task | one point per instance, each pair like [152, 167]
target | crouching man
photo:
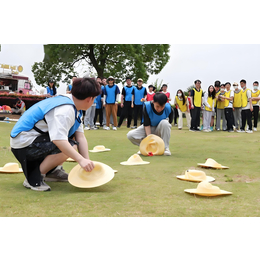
[157, 119]
[50, 131]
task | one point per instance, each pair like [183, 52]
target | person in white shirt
[50, 131]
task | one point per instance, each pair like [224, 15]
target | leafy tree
[118, 60]
[186, 93]
[157, 85]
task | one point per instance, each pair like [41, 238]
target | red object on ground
[150, 154]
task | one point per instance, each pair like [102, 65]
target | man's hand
[86, 164]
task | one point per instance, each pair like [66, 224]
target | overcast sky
[188, 62]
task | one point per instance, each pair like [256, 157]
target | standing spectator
[217, 90]
[126, 100]
[68, 90]
[98, 111]
[255, 93]
[51, 89]
[247, 108]
[183, 107]
[110, 101]
[220, 109]
[196, 104]
[19, 106]
[237, 106]
[209, 102]
[164, 91]
[139, 94]
[150, 93]
[228, 107]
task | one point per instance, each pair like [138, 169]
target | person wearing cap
[220, 109]
[228, 107]
[247, 108]
[126, 101]
[139, 94]
[183, 107]
[150, 93]
[51, 89]
[157, 119]
[110, 101]
[255, 99]
[68, 90]
[196, 105]
[19, 106]
[49, 133]
[237, 106]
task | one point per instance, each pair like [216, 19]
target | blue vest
[139, 94]
[111, 94]
[49, 91]
[98, 102]
[156, 119]
[39, 110]
[128, 93]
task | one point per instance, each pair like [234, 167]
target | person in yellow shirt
[237, 103]
[220, 109]
[209, 103]
[255, 93]
[247, 108]
[183, 107]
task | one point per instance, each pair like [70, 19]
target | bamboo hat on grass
[195, 176]
[11, 168]
[152, 144]
[99, 148]
[134, 160]
[205, 188]
[210, 163]
[100, 175]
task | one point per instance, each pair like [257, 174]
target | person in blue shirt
[126, 101]
[139, 94]
[68, 90]
[51, 89]
[110, 101]
[157, 119]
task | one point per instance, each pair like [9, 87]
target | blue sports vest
[156, 119]
[111, 94]
[98, 102]
[128, 93]
[39, 110]
[139, 94]
[50, 91]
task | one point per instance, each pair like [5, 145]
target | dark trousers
[229, 117]
[195, 120]
[98, 112]
[255, 114]
[176, 114]
[246, 116]
[138, 111]
[126, 112]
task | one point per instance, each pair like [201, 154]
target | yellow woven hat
[134, 160]
[195, 176]
[99, 148]
[210, 163]
[205, 188]
[152, 144]
[100, 175]
[11, 168]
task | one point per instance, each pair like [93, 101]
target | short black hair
[128, 78]
[150, 86]
[217, 84]
[222, 85]
[256, 82]
[227, 83]
[85, 87]
[197, 81]
[160, 98]
[243, 81]
[164, 85]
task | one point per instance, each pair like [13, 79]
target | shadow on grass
[207, 197]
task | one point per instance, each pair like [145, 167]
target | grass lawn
[148, 190]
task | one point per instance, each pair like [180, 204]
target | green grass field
[148, 190]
